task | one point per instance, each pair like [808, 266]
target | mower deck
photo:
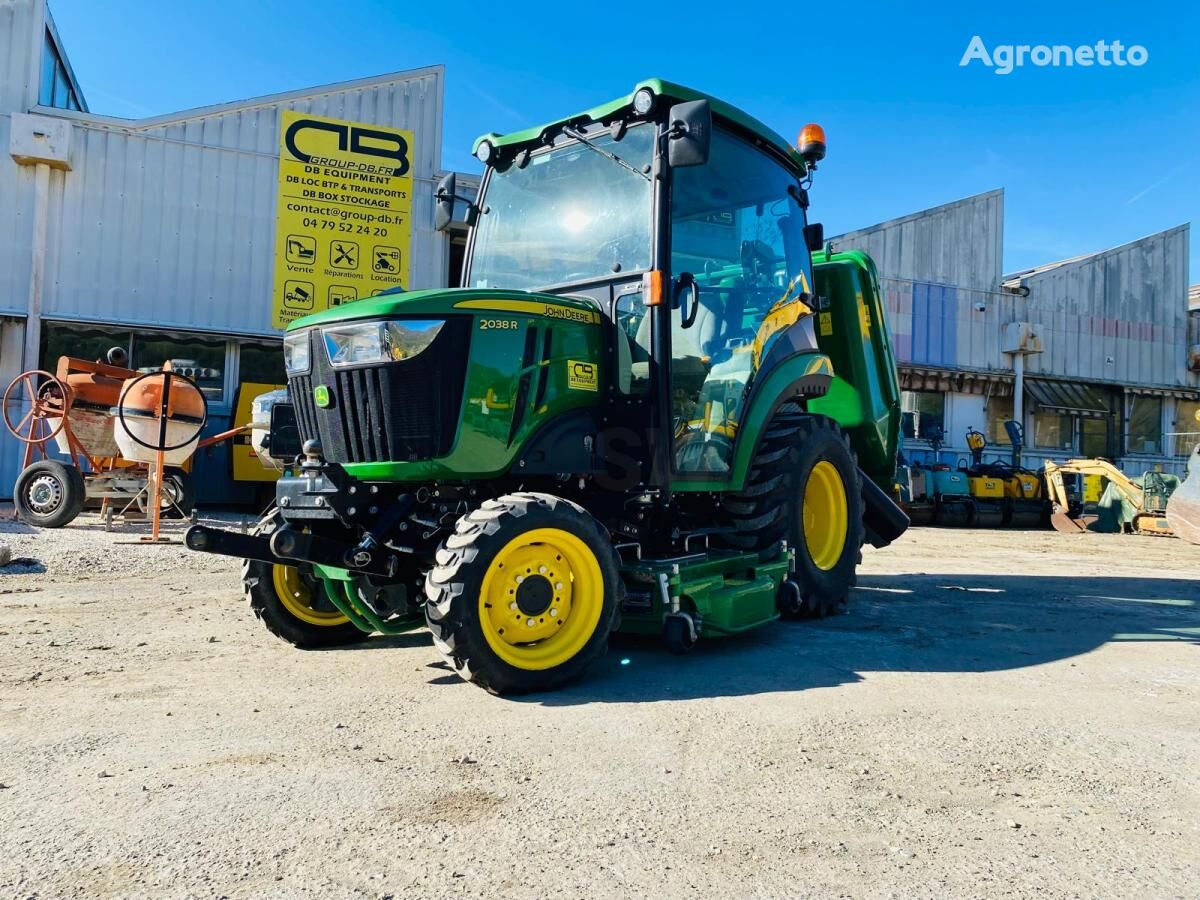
[711, 593]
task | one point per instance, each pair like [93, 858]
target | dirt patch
[999, 713]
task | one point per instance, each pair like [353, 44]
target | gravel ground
[999, 714]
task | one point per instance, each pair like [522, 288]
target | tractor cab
[684, 222]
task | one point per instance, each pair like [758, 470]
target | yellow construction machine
[1147, 502]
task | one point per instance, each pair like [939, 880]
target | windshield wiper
[588, 142]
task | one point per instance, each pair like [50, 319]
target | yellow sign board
[344, 221]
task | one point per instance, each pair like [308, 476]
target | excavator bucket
[1183, 509]
[1062, 522]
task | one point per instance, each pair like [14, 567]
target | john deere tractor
[659, 405]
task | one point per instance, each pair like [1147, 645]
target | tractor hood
[442, 302]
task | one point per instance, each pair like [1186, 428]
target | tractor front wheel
[291, 602]
[524, 593]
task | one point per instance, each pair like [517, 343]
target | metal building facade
[170, 221]
[166, 225]
[1116, 316]
[1117, 320]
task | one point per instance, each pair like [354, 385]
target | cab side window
[739, 230]
[632, 341]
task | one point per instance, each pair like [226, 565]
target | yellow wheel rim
[297, 599]
[826, 515]
[541, 599]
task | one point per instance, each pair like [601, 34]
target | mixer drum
[91, 417]
[140, 435]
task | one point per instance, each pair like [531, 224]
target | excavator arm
[1069, 521]
[1058, 493]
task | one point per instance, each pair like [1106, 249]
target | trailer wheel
[290, 601]
[524, 594]
[49, 494]
[803, 486]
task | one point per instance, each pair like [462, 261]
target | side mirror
[814, 237]
[690, 135]
[443, 212]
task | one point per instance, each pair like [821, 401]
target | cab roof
[661, 88]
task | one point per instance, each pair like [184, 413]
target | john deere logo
[321, 395]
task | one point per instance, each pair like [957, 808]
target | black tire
[259, 582]
[49, 494]
[453, 588]
[770, 508]
[677, 635]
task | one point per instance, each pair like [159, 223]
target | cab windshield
[571, 214]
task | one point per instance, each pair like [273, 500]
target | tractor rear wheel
[524, 593]
[803, 487]
[291, 602]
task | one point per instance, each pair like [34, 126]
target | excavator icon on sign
[386, 260]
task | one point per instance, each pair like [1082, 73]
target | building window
[84, 342]
[261, 364]
[1093, 438]
[1187, 426]
[55, 88]
[200, 359]
[1145, 425]
[1053, 431]
[924, 413]
[999, 411]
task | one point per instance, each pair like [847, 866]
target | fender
[807, 374]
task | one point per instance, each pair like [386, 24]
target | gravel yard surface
[999, 714]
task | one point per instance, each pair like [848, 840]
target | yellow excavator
[1148, 500]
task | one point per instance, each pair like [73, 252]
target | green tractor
[659, 405]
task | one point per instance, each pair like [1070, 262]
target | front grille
[393, 412]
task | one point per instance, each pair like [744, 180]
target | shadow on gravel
[419, 638]
[934, 623]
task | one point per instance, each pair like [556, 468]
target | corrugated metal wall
[22, 24]
[1118, 316]
[16, 227]
[170, 222]
[941, 271]
[959, 243]
[949, 327]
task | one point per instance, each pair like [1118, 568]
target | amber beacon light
[811, 144]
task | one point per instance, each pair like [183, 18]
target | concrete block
[40, 139]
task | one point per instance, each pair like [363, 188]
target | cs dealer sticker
[582, 376]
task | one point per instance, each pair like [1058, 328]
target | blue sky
[1089, 157]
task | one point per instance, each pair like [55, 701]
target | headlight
[643, 101]
[484, 151]
[377, 342]
[295, 352]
